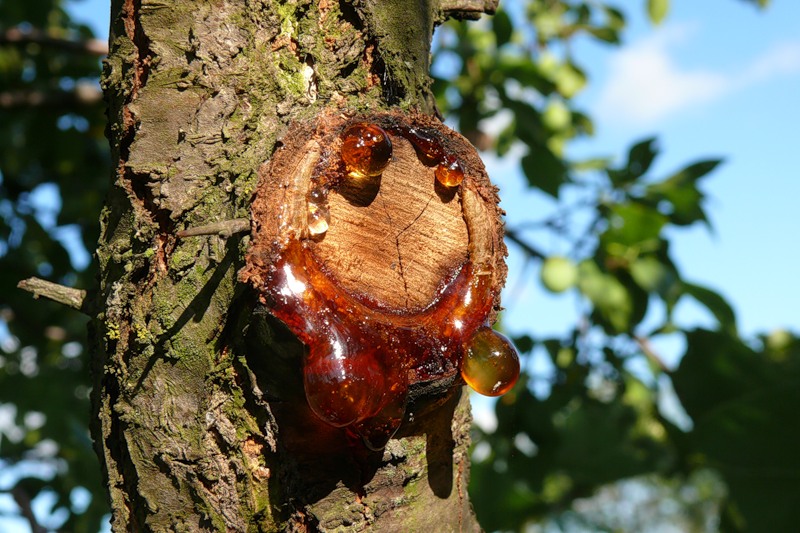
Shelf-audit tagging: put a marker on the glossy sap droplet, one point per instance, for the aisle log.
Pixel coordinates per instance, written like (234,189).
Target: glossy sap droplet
(366,150)
(449,172)
(342,387)
(491,363)
(319,218)
(426,145)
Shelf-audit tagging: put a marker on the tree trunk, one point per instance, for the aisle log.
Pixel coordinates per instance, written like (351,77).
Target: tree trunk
(201,421)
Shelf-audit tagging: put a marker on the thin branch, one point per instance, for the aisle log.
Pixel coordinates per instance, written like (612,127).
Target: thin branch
(33,36)
(512,236)
(647,350)
(84,94)
(24,502)
(226,228)
(74,298)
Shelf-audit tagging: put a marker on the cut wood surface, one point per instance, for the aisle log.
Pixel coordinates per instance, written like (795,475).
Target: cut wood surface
(395,239)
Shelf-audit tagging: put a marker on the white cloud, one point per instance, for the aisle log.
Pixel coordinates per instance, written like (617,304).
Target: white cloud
(781,59)
(647,84)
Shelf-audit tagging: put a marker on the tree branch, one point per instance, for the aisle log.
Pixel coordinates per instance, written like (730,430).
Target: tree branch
(21,36)
(226,228)
(26,509)
(512,236)
(84,94)
(74,298)
(647,350)
(467,9)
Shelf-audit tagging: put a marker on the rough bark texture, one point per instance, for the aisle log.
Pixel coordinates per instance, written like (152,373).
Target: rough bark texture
(200,419)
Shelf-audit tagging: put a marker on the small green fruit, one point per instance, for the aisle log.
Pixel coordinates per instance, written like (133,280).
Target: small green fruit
(558,273)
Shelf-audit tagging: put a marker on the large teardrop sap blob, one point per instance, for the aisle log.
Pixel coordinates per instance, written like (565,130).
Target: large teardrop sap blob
(366,150)
(491,363)
(342,387)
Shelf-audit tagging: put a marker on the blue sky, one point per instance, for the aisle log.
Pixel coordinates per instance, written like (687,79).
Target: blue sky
(720,78)
(717,79)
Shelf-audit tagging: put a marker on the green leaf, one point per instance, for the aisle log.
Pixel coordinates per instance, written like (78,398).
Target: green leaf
(744,405)
(605,34)
(569,80)
(632,225)
(686,176)
(544,170)
(657,10)
(715,303)
(503,29)
(615,17)
(681,192)
(557,116)
(651,274)
(524,343)
(640,157)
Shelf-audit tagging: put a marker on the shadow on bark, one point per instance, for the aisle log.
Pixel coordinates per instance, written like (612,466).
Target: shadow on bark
(313,459)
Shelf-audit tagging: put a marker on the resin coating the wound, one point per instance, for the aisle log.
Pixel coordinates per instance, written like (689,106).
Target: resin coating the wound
(378,241)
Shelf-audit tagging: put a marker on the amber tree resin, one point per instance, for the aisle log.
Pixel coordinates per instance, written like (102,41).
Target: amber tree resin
(377,240)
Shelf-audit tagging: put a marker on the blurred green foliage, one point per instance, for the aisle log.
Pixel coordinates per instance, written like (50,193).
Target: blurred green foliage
(569,457)
(509,84)
(54,167)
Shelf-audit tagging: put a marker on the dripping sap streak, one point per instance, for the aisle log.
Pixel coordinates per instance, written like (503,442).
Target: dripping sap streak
(360,358)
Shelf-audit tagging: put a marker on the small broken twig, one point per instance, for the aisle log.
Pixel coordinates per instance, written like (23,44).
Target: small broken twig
(24,36)
(226,228)
(74,298)
(468,9)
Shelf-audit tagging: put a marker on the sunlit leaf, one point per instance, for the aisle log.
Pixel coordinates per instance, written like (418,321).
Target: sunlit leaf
(544,170)
(558,273)
(569,80)
(715,303)
(608,294)
(657,10)
(651,274)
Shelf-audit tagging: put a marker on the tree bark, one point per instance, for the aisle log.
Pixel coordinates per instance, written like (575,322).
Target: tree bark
(200,419)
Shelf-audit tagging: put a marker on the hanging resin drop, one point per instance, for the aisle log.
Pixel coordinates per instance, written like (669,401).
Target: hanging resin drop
(342,387)
(491,363)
